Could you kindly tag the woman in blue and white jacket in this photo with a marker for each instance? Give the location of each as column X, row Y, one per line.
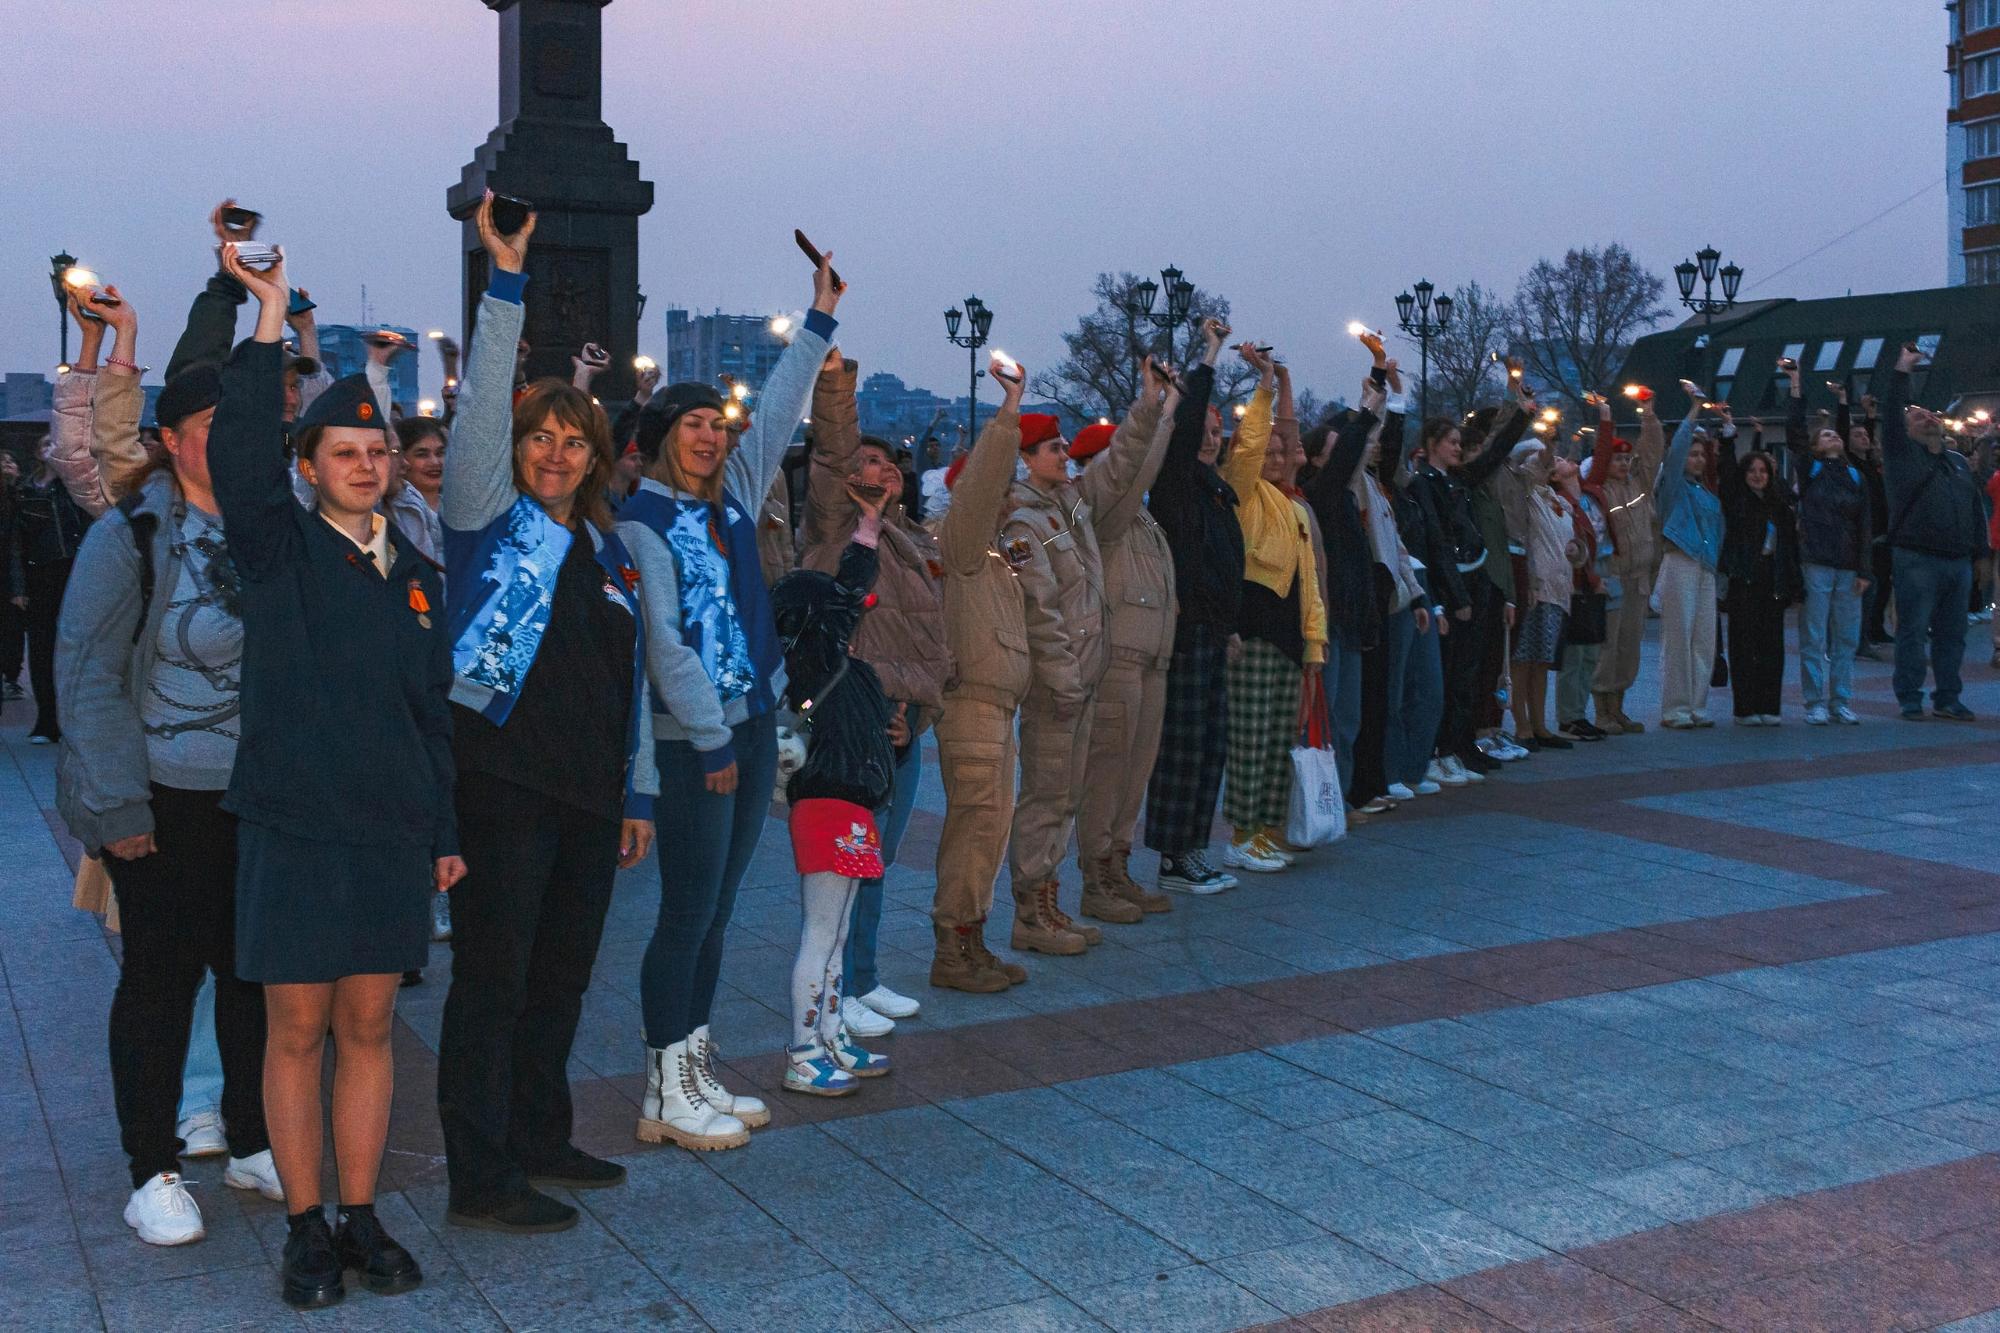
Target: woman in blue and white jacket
column 552, row 745
column 717, row 673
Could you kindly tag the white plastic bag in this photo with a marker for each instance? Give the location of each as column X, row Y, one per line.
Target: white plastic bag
column 1318, row 813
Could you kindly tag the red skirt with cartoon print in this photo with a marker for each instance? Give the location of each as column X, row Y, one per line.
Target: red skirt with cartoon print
column 837, row 837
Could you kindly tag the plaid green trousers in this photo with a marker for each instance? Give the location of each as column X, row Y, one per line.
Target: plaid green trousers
column 1263, row 717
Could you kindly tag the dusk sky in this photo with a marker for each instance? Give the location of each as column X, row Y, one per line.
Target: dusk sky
column 1306, row 159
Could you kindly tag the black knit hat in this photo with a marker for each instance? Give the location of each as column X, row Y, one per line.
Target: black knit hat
column 195, row 389
column 669, row 405
column 346, row 402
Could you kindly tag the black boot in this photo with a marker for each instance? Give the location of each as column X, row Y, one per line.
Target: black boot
column 312, row 1267
column 528, row 1212
column 386, row 1268
column 573, row 1168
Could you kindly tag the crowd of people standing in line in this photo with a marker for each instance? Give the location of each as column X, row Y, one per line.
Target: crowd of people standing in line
column 317, row 667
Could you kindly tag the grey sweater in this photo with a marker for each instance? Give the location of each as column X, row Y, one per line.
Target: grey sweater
column 103, row 774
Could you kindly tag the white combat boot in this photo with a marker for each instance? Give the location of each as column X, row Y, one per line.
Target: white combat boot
column 677, row 1111
column 752, row 1112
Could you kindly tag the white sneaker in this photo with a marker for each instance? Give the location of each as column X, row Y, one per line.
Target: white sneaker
column 889, row 1004
column 164, row 1213
column 1243, row 856
column 1845, row 715
column 863, row 1021
column 255, row 1172
column 1749, row 720
column 1816, row 715
column 1447, row 772
column 1427, row 788
column 202, row 1133
column 1771, row 719
column 1458, row 766
column 1192, row 874
column 1400, row 792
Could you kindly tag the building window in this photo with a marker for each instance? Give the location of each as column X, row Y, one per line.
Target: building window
column 1982, row 137
column 1829, row 356
column 1982, row 205
column 1928, row 344
column 1979, row 75
column 1978, row 16
column 1731, row 359
column 1870, row 353
column 1982, row 267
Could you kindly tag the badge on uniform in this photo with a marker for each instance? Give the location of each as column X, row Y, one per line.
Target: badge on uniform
column 1017, row 551
column 420, row 604
column 631, row 577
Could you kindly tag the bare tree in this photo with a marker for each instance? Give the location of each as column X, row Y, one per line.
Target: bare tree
column 1463, row 371
column 1573, row 322
column 1099, row 375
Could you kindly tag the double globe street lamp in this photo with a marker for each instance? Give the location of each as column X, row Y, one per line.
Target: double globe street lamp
column 1424, row 317
column 1179, row 309
column 977, row 320
column 1704, row 266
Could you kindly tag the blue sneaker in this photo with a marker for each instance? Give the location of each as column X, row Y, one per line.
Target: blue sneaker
column 859, row 1063
column 810, row 1069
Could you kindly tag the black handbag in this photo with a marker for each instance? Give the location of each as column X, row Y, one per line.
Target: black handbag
column 1587, row 616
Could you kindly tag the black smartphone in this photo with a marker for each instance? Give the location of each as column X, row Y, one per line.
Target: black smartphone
column 300, row 303
column 812, row 253
column 866, row 490
column 238, row 218
column 510, row 214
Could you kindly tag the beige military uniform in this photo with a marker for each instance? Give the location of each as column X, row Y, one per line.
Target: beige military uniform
column 777, row 555
column 986, row 626
column 1062, row 583
column 1140, row 610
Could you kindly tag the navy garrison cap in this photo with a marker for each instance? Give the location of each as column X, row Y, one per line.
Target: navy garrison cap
column 346, row 402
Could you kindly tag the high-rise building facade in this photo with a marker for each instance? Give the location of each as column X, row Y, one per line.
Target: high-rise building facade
column 1972, row 143
column 341, row 347
column 703, row 348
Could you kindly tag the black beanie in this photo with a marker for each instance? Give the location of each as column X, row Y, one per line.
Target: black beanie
column 669, row 405
column 195, row 389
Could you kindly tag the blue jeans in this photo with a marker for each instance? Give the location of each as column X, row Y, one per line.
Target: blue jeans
column 201, row 1076
column 1932, row 594
column 858, row 961
column 1830, row 602
column 710, row 839
column 1343, row 698
column 1415, row 707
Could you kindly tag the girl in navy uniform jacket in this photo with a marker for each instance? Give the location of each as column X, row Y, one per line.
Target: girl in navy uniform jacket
column 342, row 783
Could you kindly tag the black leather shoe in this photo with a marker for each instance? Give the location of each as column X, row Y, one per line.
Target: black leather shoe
column 577, row 1170
column 1553, row 743
column 386, row 1268
column 312, row 1267
column 526, row 1213
column 1479, row 763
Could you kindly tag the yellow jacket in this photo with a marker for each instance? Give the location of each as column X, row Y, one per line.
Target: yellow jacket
column 1277, row 539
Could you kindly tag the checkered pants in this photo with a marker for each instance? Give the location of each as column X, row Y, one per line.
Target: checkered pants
column 1263, row 715
column 1180, row 799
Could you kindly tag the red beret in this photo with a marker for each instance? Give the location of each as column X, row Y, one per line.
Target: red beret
column 1091, row 440
column 1620, row 446
column 1037, row 427
column 951, row 473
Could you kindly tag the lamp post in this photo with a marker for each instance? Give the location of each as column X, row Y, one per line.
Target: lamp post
column 1180, row 304
column 59, row 264
column 1423, row 317
column 977, row 320
column 1703, row 266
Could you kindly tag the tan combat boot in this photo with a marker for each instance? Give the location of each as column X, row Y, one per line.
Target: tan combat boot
column 1034, row 926
column 1100, row 901
column 959, row 966
column 1116, row 875
column 1611, row 712
column 976, row 941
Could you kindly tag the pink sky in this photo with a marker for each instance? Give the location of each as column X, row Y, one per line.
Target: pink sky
column 1307, row 158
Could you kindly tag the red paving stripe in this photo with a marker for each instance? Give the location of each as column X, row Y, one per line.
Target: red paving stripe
column 1910, row 1250
column 1918, row 901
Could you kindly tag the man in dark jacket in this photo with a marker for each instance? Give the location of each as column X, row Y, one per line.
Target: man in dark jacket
column 1936, row 531
column 1197, row 511
column 1836, row 537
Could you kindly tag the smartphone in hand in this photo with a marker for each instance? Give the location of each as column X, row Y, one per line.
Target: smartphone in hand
column 812, row 253
column 510, row 214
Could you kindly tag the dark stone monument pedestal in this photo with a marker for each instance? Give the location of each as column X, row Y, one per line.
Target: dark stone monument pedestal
column 553, row 148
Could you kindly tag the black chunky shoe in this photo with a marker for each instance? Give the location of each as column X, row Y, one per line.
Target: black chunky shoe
column 576, row 1169
column 312, row 1267
column 386, row 1268
column 526, row 1213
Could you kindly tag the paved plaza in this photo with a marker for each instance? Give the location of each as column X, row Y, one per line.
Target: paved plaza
column 1679, row 1031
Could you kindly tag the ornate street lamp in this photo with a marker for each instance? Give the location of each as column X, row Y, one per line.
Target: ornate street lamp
column 60, row 264
column 1179, row 307
column 1704, row 266
column 978, row 321
column 1423, row 316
